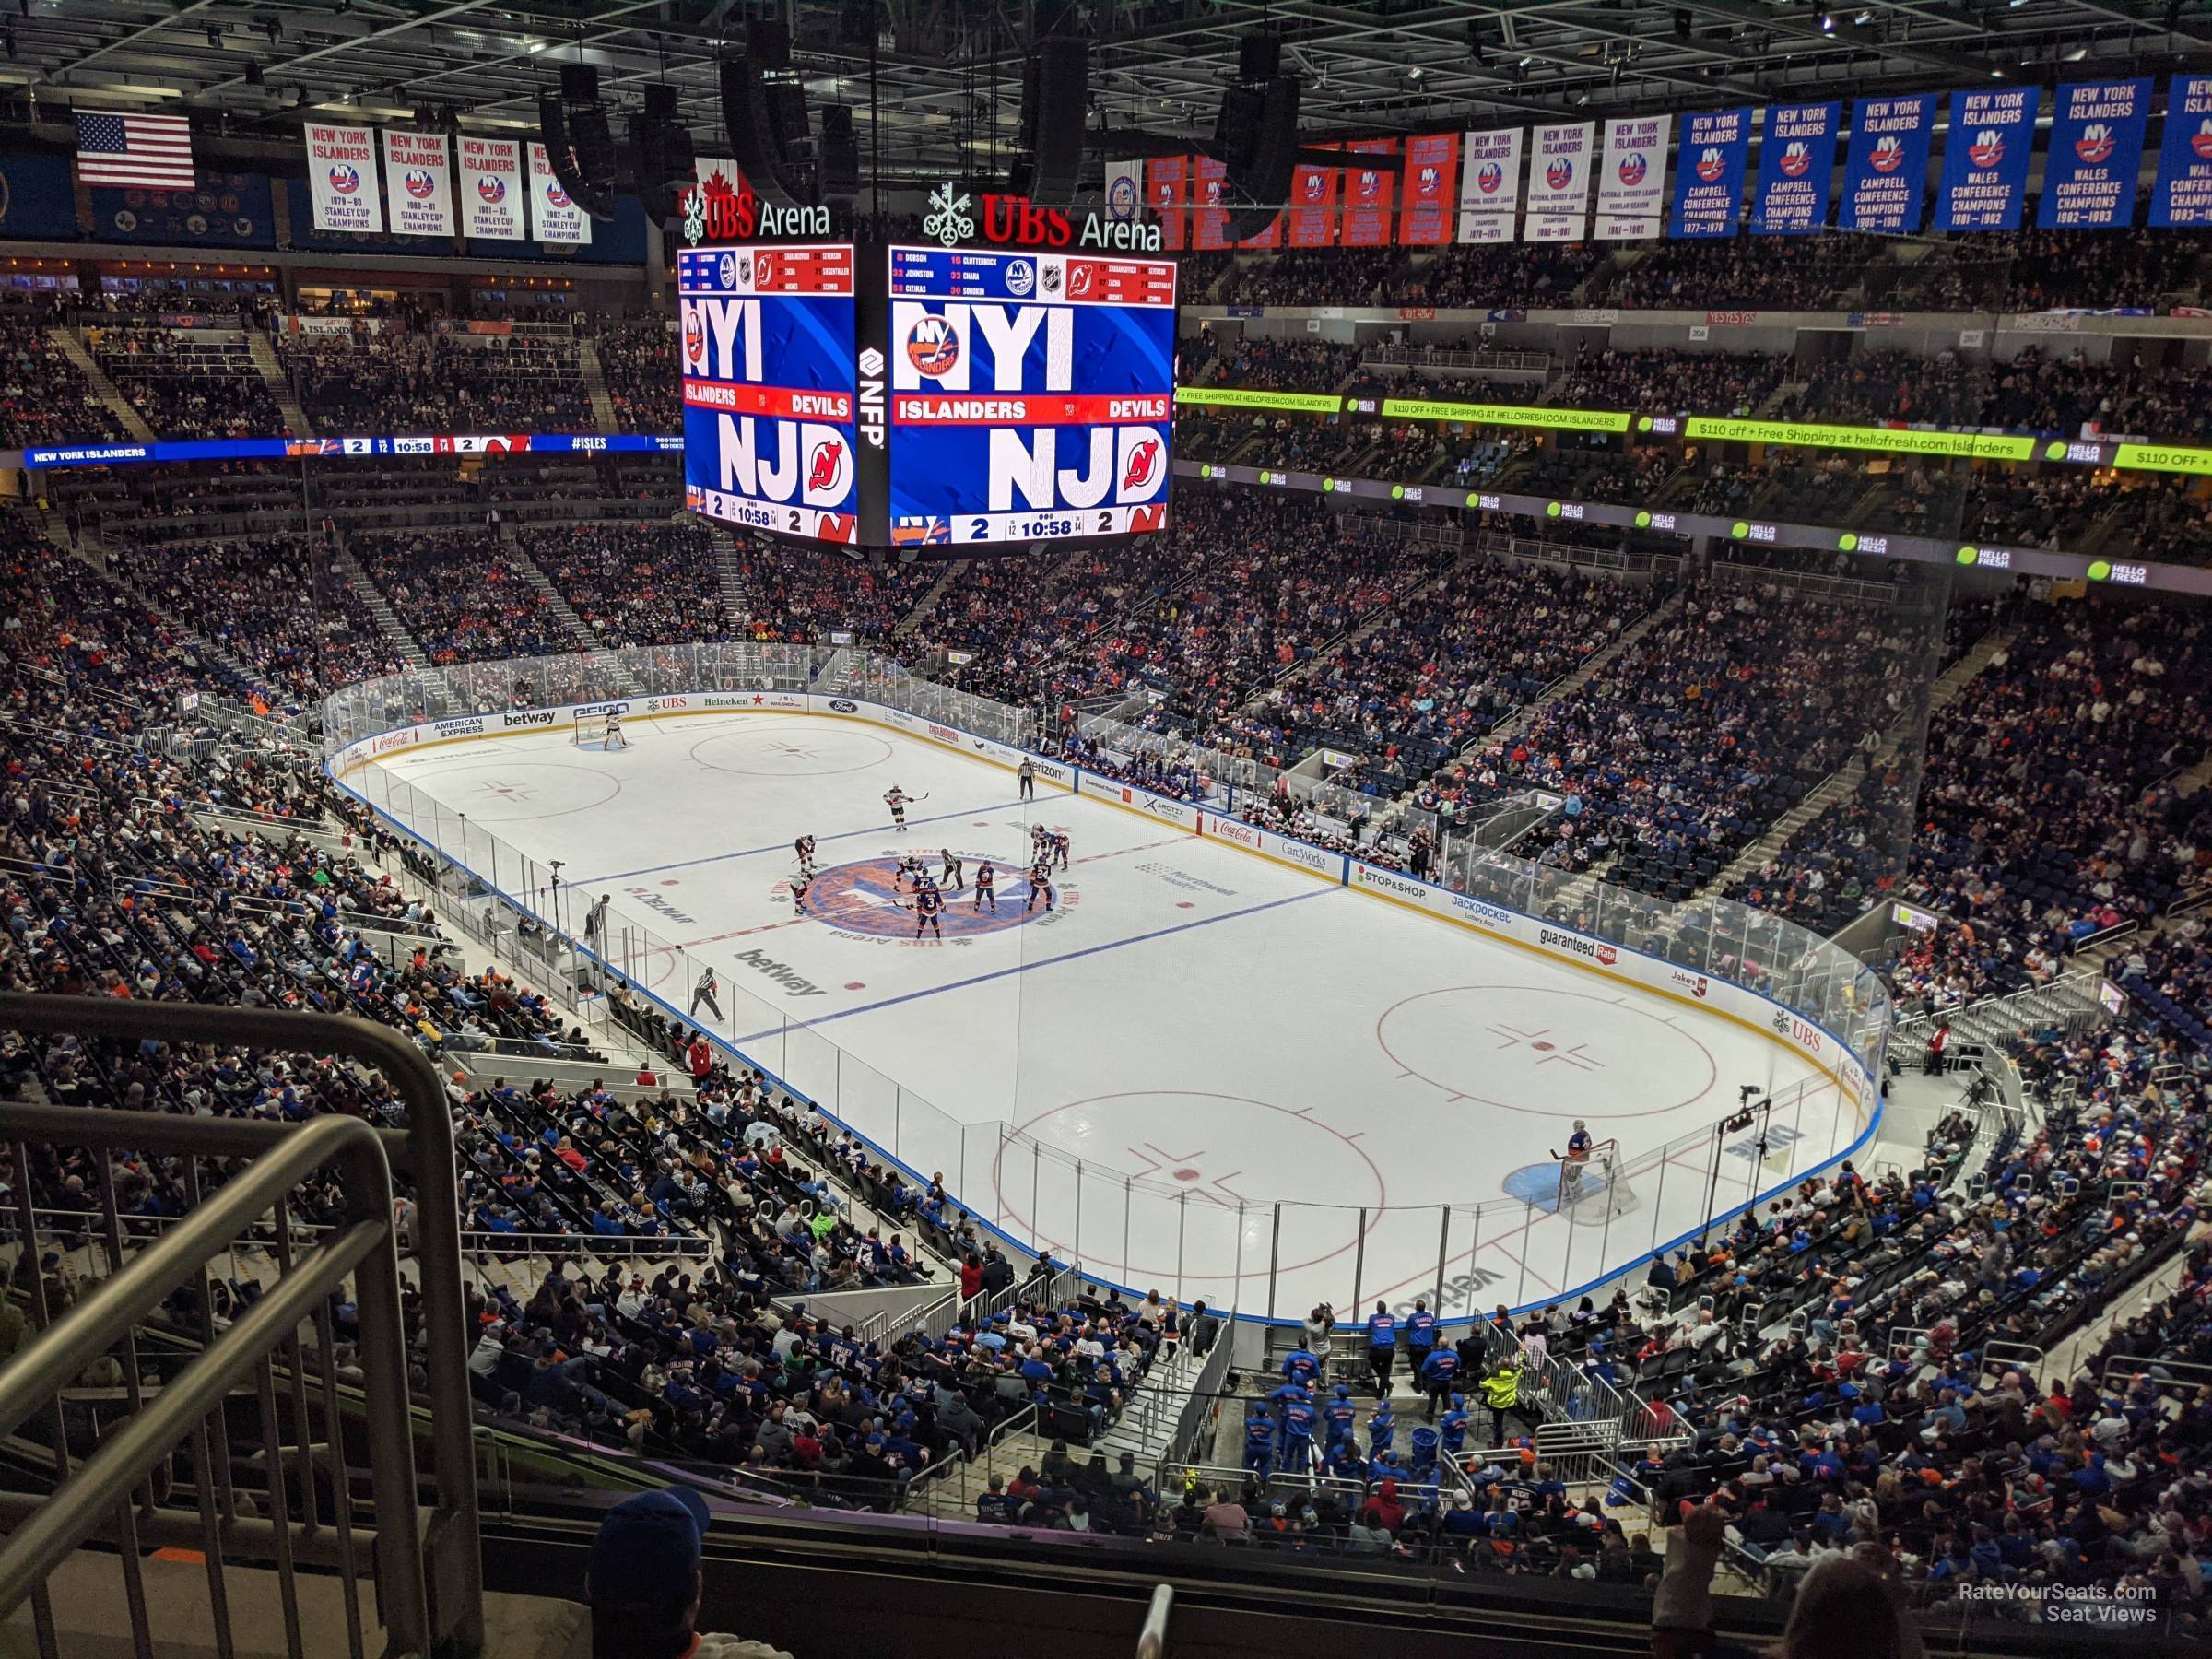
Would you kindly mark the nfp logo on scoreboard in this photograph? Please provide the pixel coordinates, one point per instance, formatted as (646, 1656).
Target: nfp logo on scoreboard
(768, 353)
(1031, 395)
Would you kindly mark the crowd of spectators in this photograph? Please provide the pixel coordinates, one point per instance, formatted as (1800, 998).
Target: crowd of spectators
(637, 361)
(188, 383)
(388, 378)
(634, 584)
(2029, 270)
(44, 397)
(461, 596)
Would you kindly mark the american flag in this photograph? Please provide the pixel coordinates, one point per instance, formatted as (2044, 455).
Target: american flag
(153, 152)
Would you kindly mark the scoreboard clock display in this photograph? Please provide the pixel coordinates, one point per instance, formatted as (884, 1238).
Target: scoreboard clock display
(926, 397)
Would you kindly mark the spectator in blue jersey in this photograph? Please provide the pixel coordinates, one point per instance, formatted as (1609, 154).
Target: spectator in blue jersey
(1420, 1335)
(1438, 1375)
(1381, 1347)
(1382, 1427)
(1259, 1440)
(644, 1582)
(1451, 1430)
(1301, 1366)
(1339, 1418)
(1296, 1405)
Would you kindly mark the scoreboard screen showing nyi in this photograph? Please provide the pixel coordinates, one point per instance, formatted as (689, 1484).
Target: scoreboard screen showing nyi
(768, 350)
(1031, 394)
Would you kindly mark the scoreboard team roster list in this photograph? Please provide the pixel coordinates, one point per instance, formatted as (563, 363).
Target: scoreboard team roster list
(1031, 394)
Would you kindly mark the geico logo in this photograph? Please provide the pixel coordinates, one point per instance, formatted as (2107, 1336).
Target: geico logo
(782, 459)
(1123, 463)
(937, 346)
(843, 707)
(536, 717)
(1560, 941)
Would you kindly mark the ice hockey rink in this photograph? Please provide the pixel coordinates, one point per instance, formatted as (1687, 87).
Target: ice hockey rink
(1192, 1038)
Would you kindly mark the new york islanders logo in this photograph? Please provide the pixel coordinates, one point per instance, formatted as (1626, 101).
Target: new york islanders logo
(1144, 466)
(554, 194)
(1888, 154)
(1796, 158)
(868, 899)
(1632, 168)
(1987, 149)
(828, 468)
(695, 338)
(490, 189)
(1559, 173)
(933, 346)
(2095, 144)
(1315, 186)
(419, 183)
(345, 180)
(1489, 177)
(1429, 181)
(1710, 166)
(2200, 141)
(1370, 183)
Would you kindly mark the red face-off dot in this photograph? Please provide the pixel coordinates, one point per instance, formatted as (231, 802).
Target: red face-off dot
(1187, 1174)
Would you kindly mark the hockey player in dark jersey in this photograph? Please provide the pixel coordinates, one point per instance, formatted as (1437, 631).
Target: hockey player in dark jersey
(1057, 840)
(1040, 886)
(929, 905)
(985, 886)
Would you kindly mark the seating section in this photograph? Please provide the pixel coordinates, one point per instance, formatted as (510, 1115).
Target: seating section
(188, 383)
(398, 381)
(634, 584)
(462, 597)
(44, 397)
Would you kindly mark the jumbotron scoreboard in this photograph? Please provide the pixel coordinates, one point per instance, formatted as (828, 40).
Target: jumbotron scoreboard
(920, 398)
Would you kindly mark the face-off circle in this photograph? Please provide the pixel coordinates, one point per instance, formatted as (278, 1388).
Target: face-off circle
(867, 896)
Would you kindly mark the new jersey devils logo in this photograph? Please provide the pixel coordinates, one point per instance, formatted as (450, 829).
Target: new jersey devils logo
(1143, 465)
(826, 469)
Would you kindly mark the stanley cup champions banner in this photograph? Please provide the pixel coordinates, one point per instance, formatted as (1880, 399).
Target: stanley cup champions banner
(341, 177)
(1984, 181)
(1631, 178)
(1797, 170)
(419, 177)
(1558, 182)
(1431, 188)
(2096, 147)
(554, 218)
(1164, 182)
(1366, 194)
(1489, 185)
(491, 188)
(1313, 215)
(1886, 166)
(1709, 173)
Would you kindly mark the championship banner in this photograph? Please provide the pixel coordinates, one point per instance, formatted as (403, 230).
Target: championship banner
(2183, 197)
(1886, 167)
(1431, 186)
(418, 173)
(1709, 173)
(554, 220)
(1312, 214)
(1270, 238)
(1631, 184)
(491, 187)
(1125, 191)
(1165, 178)
(1984, 177)
(1489, 185)
(2096, 151)
(1209, 220)
(1366, 194)
(1558, 182)
(341, 177)
(1797, 170)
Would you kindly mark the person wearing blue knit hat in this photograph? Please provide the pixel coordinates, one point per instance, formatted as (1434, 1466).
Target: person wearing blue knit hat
(644, 1582)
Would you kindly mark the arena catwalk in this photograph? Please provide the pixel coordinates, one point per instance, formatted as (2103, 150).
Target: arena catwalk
(1190, 1036)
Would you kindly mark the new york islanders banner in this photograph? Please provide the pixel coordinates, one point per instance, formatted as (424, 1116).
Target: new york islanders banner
(1431, 185)
(1984, 179)
(1797, 170)
(554, 218)
(1558, 182)
(1366, 194)
(1313, 215)
(1166, 179)
(2096, 148)
(341, 177)
(491, 188)
(1489, 185)
(418, 175)
(1631, 180)
(2184, 194)
(1709, 173)
(1125, 191)
(1886, 166)
(1208, 219)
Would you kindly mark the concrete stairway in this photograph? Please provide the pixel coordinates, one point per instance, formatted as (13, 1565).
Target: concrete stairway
(954, 570)
(70, 347)
(396, 634)
(606, 661)
(729, 574)
(595, 383)
(90, 552)
(1350, 637)
(1841, 783)
(279, 383)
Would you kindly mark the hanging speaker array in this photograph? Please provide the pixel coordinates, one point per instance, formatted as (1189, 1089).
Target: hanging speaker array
(580, 145)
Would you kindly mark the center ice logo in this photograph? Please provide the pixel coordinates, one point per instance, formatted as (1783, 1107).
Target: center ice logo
(867, 898)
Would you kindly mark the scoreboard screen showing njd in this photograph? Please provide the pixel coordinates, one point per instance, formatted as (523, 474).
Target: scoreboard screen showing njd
(920, 398)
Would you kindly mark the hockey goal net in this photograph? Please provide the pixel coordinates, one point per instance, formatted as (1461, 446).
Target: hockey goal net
(1596, 1187)
(590, 730)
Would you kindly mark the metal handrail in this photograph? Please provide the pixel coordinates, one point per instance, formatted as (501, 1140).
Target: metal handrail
(446, 1567)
